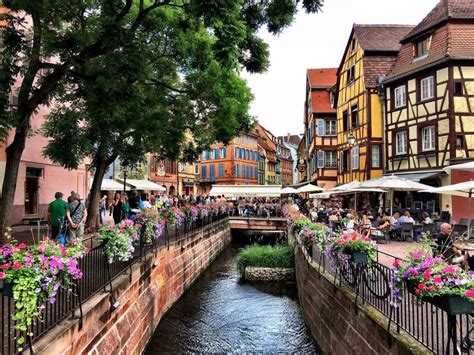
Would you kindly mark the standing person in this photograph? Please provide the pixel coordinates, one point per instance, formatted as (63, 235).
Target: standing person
(117, 208)
(56, 214)
(102, 208)
(76, 215)
(70, 198)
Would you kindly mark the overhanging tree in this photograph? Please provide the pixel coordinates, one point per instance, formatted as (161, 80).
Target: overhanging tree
(47, 41)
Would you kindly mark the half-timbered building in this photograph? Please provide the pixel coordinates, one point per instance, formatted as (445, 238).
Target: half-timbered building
(370, 53)
(320, 126)
(430, 98)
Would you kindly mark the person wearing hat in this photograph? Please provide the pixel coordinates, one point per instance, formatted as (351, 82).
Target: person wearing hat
(56, 214)
(76, 215)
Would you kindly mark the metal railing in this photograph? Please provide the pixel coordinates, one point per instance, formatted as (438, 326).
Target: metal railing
(423, 321)
(98, 275)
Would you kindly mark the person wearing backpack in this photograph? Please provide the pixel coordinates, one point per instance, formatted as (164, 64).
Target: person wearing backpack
(76, 216)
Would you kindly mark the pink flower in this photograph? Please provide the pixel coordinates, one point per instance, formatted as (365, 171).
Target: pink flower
(421, 286)
(469, 293)
(22, 245)
(396, 262)
(17, 265)
(437, 280)
(2, 275)
(449, 269)
(6, 266)
(427, 275)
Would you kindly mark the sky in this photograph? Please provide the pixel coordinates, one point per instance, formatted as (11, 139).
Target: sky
(316, 41)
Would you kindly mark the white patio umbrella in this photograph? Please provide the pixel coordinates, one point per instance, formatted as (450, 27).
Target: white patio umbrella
(391, 183)
(469, 166)
(288, 190)
(309, 188)
(352, 185)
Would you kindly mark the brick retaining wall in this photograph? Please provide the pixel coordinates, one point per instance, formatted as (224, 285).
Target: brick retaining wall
(157, 283)
(330, 314)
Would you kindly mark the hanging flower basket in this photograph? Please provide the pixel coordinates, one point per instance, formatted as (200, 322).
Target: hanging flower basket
(452, 304)
(361, 257)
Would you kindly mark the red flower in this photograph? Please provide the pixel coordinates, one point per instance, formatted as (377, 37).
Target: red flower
(22, 245)
(2, 275)
(421, 286)
(417, 292)
(17, 265)
(6, 266)
(427, 275)
(396, 262)
(431, 288)
(437, 280)
(469, 293)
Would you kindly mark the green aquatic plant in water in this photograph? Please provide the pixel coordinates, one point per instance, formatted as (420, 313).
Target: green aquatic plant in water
(266, 256)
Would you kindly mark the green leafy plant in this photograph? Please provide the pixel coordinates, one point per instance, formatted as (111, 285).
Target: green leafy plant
(266, 256)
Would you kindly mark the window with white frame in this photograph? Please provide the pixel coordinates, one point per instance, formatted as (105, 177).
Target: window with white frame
(428, 138)
(375, 156)
(401, 143)
(320, 123)
(330, 128)
(321, 156)
(355, 158)
(331, 159)
(427, 88)
(400, 96)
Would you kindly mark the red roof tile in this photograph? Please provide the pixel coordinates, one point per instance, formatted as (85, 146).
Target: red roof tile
(375, 67)
(322, 77)
(445, 10)
(321, 102)
(380, 38)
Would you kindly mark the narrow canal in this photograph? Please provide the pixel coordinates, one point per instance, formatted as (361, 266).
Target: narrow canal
(220, 313)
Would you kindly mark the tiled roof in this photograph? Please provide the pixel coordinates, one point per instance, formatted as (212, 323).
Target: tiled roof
(322, 77)
(381, 38)
(292, 139)
(452, 40)
(443, 11)
(375, 67)
(321, 102)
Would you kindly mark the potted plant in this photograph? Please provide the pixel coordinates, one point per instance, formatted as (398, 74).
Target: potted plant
(118, 240)
(352, 246)
(33, 275)
(433, 280)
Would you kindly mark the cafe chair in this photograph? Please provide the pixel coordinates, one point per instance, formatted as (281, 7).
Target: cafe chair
(459, 229)
(429, 228)
(406, 230)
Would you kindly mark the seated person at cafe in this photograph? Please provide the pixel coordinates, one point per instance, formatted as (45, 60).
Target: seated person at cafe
(425, 218)
(446, 247)
(351, 223)
(378, 231)
(406, 218)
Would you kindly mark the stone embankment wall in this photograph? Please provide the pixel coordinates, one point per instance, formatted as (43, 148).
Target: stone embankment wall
(157, 283)
(269, 274)
(329, 312)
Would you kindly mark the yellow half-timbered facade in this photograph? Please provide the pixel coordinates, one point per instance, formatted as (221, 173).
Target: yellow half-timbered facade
(369, 55)
(430, 98)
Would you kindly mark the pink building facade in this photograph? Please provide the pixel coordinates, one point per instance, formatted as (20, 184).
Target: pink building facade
(38, 178)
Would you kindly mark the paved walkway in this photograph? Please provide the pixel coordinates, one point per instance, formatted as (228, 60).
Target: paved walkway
(395, 249)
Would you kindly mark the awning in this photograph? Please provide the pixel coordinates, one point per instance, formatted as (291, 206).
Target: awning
(421, 176)
(246, 190)
(109, 185)
(144, 185)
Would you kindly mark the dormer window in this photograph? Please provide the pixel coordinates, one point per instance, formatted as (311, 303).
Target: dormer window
(422, 48)
(350, 75)
(353, 45)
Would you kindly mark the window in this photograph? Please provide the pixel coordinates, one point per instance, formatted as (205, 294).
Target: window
(196, 169)
(401, 143)
(355, 158)
(458, 88)
(310, 133)
(236, 153)
(330, 128)
(208, 154)
(345, 121)
(242, 153)
(400, 96)
(247, 154)
(427, 138)
(216, 153)
(237, 170)
(212, 172)
(353, 45)
(223, 152)
(354, 117)
(203, 155)
(221, 171)
(345, 159)
(460, 142)
(333, 99)
(421, 48)
(351, 75)
(320, 123)
(375, 156)
(427, 88)
(320, 159)
(331, 159)
(204, 172)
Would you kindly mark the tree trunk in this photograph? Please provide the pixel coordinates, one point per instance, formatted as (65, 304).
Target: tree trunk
(13, 152)
(93, 220)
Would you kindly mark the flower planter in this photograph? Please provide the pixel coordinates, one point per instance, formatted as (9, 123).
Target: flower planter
(452, 304)
(6, 289)
(359, 257)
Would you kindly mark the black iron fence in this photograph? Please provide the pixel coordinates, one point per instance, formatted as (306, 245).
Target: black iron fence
(423, 321)
(98, 275)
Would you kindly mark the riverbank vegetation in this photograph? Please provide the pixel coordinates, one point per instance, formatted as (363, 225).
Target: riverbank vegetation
(281, 256)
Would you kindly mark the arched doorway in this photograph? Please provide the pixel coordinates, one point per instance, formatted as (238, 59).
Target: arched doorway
(172, 190)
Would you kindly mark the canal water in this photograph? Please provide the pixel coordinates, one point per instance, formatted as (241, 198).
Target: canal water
(220, 313)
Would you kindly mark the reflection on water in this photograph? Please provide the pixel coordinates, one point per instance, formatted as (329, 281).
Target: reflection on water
(222, 314)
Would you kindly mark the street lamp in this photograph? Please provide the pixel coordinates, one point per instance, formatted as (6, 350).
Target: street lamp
(351, 139)
(125, 165)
